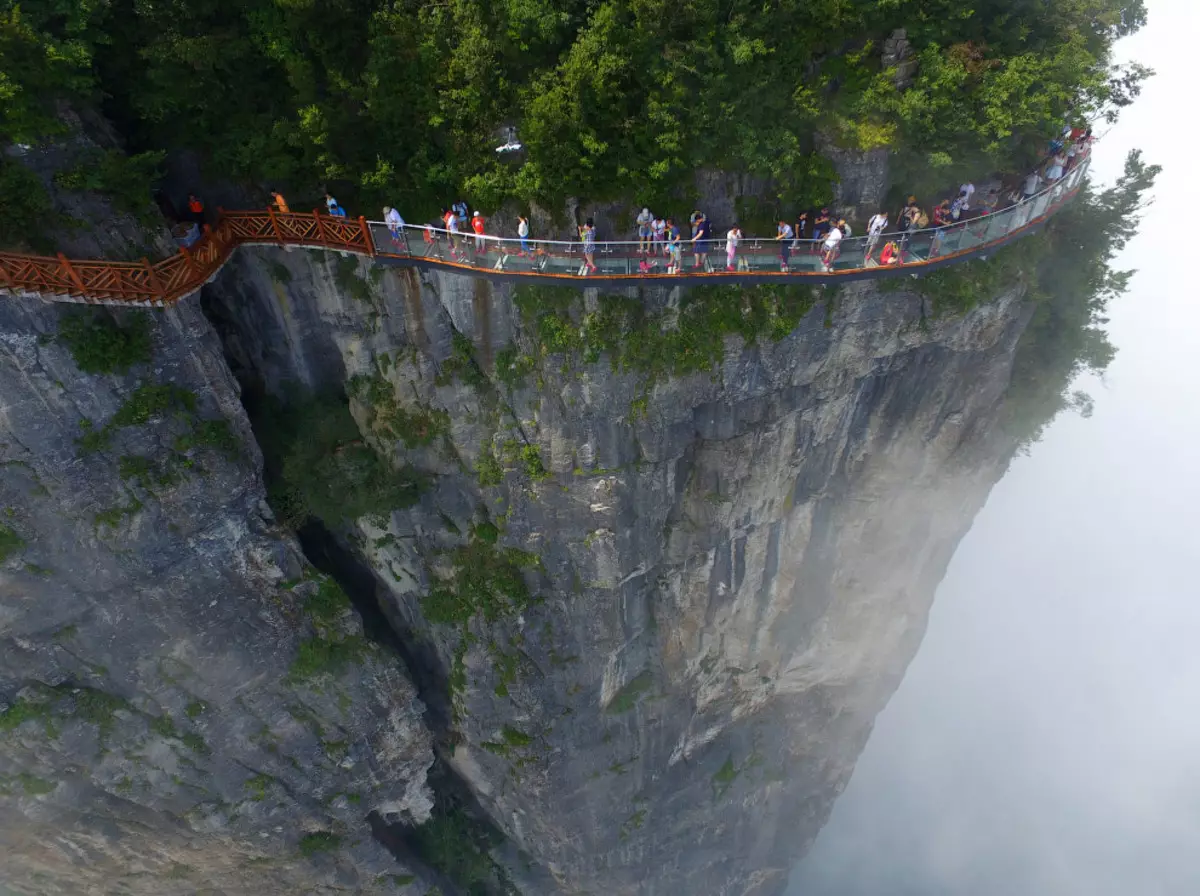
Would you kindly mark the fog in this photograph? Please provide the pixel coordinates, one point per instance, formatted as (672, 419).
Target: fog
(1047, 737)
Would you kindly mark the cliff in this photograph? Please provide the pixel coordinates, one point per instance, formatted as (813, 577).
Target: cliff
(170, 717)
(652, 614)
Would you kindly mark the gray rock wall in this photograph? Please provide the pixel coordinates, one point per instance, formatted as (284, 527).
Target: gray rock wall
(155, 735)
(734, 567)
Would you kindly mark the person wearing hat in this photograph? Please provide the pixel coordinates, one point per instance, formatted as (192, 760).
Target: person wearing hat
(645, 222)
(477, 225)
(394, 222)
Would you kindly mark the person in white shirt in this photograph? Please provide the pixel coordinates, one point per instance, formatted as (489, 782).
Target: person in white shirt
(732, 238)
(1031, 185)
(830, 248)
(523, 233)
(784, 235)
(875, 228)
(394, 222)
(969, 189)
(645, 222)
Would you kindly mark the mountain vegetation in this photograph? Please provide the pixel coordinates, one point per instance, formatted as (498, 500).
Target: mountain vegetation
(404, 100)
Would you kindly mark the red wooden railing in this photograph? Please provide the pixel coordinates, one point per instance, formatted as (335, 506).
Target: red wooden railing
(167, 281)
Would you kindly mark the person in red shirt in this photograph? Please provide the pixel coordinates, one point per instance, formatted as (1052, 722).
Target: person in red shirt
(195, 208)
(477, 226)
(890, 254)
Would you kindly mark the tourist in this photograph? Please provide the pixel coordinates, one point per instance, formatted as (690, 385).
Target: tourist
(431, 244)
(890, 254)
(909, 216)
(195, 208)
(703, 232)
(1054, 170)
(732, 238)
(674, 247)
(875, 228)
(523, 233)
(451, 219)
(658, 231)
(942, 216)
(394, 222)
(830, 248)
(784, 235)
(337, 211)
(1032, 183)
(331, 204)
(991, 202)
(960, 206)
(844, 226)
(460, 210)
(587, 233)
(969, 189)
(281, 205)
(645, 222)
(801, 230)
(477, 224)
(820, 228)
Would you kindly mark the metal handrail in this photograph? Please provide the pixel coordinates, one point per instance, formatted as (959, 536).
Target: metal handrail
(166, 281)
(573, 246)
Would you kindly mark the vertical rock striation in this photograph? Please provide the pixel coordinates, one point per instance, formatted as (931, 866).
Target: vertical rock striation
(656, 614)
(173, 717)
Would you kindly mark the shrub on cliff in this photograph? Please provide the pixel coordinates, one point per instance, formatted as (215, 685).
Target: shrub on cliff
(101, 345)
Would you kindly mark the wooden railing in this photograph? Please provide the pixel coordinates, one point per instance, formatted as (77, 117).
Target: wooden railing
(169, 280)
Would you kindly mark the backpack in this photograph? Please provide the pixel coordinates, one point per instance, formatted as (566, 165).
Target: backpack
(922, 221)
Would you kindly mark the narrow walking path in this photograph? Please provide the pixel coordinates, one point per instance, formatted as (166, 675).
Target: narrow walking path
(757, 260)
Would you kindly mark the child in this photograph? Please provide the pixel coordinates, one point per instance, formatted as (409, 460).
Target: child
(731, 243)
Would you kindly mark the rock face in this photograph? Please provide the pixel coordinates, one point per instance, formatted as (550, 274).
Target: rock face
(164, 727)
(656, 613)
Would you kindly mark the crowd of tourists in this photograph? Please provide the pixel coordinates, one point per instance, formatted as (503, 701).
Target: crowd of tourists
(821, 234)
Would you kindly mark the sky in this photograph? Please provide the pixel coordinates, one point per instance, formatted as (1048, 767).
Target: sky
(1046, 739)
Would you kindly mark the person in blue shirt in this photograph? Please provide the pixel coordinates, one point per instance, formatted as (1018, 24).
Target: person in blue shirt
(703, 232)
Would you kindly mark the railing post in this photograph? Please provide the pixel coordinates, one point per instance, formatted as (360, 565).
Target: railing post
(155, 283)
(366, 232)
(320, 229)
(190, 260)
(275, 225)
(72, 273)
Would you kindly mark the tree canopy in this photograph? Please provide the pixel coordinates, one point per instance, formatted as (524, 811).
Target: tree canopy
(402, 100)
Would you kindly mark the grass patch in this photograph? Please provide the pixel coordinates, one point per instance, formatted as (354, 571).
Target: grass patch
(10, 543)
(627, 697)
(152, 400)
(101, 345)
(163, 726)
(489, 469)
(319, 841)
(257, 787)
(35, 786)
(633, 339)
(462, 365)
(415, 426)
(215, 434)
(195, 709)
(326, 656)
(724, 777)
